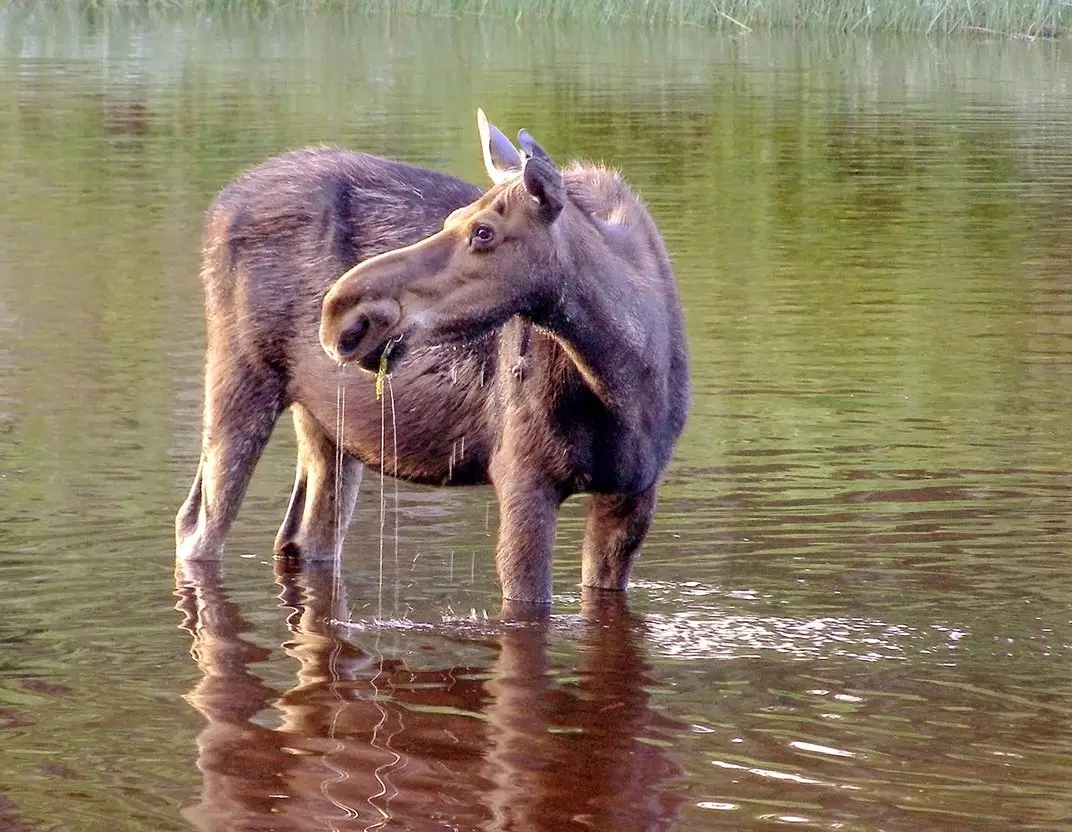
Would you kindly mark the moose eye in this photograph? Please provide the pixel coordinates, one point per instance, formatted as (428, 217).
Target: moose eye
(481, 237)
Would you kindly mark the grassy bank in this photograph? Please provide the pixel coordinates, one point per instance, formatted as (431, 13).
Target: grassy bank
(1003, 18)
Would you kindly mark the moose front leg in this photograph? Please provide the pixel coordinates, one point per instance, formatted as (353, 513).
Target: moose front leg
(528, 514)
(617, 525)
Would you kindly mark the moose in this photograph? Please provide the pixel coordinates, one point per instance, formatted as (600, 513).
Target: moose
(531, 337)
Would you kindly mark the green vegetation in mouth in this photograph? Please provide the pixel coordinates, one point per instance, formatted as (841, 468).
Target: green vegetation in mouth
(381, 373)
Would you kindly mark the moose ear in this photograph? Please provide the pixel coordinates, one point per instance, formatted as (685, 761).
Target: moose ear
(501, 158)
(542, 178)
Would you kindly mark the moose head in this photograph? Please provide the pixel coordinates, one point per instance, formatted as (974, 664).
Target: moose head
(493, 259)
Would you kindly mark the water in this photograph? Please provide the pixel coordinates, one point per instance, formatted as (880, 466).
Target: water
(855, 609)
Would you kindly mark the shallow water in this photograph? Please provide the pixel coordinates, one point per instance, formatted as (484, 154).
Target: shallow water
(855, 609)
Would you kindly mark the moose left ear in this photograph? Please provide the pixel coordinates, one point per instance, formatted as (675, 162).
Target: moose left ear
(542, 178)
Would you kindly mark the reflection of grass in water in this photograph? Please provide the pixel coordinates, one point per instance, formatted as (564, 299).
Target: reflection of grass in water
(1001, 17)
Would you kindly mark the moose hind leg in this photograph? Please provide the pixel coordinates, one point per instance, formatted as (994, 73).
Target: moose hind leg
(238, 420)
(616, 527)
(324, 496)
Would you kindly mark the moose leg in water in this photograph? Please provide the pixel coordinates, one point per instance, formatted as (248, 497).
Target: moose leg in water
(241, 408)
(528, 513)
(616, 527)
(324, 496)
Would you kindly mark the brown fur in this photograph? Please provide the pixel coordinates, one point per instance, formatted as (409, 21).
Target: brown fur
(553, 363)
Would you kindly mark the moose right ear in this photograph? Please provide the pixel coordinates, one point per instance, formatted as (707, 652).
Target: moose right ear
(501, 159)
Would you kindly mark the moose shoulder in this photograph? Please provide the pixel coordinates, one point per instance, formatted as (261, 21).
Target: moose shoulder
(532, 334)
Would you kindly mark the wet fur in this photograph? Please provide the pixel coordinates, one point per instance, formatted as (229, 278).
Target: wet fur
(539, 415)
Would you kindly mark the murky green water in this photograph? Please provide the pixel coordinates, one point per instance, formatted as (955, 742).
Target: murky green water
(855, 609)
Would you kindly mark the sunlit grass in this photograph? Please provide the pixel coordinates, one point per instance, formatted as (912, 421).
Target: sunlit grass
(1011, 18)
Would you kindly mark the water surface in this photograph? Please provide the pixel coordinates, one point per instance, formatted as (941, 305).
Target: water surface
(855, 609)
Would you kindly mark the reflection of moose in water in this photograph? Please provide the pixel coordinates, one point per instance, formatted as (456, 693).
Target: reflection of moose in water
(363, 741)
(537, 344)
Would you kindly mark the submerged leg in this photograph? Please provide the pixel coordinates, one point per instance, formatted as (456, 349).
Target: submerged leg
(324, 495)
(528, 513)
(617, 525)
(241, 408)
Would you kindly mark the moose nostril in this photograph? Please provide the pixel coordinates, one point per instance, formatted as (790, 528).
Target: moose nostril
(350, 338)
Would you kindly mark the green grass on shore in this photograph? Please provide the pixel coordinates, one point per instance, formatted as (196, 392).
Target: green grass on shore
(1008, 18)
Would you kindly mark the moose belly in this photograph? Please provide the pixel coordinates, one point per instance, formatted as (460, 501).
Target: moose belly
(428, 425)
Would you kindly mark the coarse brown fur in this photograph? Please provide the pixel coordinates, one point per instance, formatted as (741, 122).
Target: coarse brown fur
(550, 363)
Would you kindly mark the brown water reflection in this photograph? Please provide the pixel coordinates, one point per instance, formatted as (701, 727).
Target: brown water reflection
(364, 740)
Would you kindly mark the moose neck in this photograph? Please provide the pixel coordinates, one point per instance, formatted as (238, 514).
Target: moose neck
(602, 315)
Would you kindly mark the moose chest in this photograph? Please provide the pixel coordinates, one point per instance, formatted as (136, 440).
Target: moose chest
(549, 423)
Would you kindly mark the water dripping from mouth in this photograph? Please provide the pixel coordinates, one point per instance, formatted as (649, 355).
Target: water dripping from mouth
(340, 428)
(394, 476)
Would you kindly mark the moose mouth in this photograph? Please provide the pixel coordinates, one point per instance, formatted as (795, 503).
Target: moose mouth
(384, 356)
(367, 336)
(377, 346)
(377, 354)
